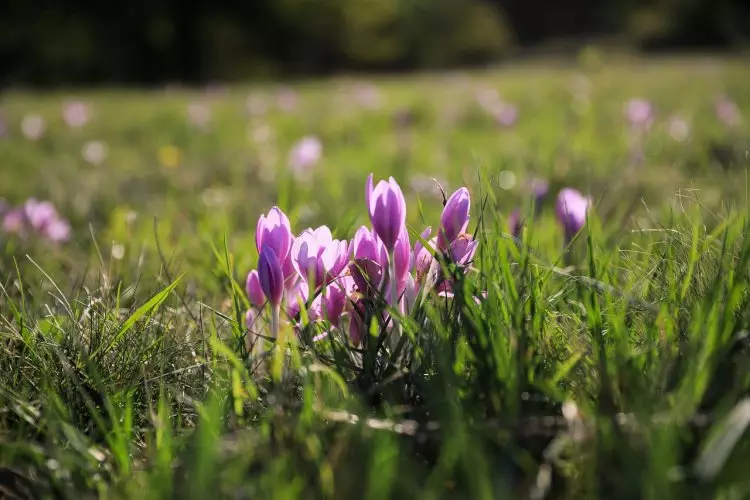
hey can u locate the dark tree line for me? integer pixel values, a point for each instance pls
(142, 41)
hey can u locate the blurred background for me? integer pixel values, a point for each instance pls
(49, 42)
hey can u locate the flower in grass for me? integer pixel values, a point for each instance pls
(571, 210)
(370, 261)
(286, 99)
(639, 113)
(94, 152)
(357, 326)
(515, 224)
(539, 190)
(506, 114)
(33, 126)
(42, 217)
(727, 112)
(14, 221)
(254, 290)
(76, 114)
(304, 155)
(331, 302)
(387, 209)
(462, 249)
(317, 257)
(424, 254)
(271, 276)
(455, 217)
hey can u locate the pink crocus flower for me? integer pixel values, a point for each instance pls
(270, 276)
(76, 114)
(370, 260)
(387, 209)
(639, 113)
(572, 210)
(14, 221)
(727, 112)
(317, 257)
(455, 217)
(304, 155)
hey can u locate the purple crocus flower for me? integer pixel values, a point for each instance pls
(357, 327)
(254, 290)
(424, 255)
(571, 210)
(317, 257)
(515, 224)
(330, 303)
(402, 258)
(455, 217)
(539, 189)
(462, 249)
(387, 208)
(14, 221)
(639, 113)
(304, 155)
(39, 214)
(273, 230)
(506, 114)
(57, 230)
(271, 276)
(370, 260)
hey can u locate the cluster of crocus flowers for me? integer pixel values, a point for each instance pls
(336, 282)
(35, 218)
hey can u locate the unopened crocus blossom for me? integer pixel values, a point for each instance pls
(402, 258)
(639, 113)
(330, 303)
(317, 257)
(305, 154)
(455, 217)
(271, 276)
(357, 327)
(387, 209)
(296, 298)
(76, 114)
(515, 225)
(254, 290)
(370, 260)
(571, 210)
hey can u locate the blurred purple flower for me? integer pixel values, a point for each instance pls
(506, 114)
(727, 112)
(57, 230)
(639, 113)
(488, 99)
(76, 114)
(572, 211)
(305, 154)
(515, 224)
(539, 189)
(14, 221)
(94, 152)
(33, 126)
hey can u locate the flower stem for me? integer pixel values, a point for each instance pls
(275, 312)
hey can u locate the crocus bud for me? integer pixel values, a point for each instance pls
(387, 209)
(411, 290)
(274, 231)
(296, 298)
(270, 276)
(515, 225)
(455, 217)
(462, 249)
(571, 210)
(254, 290)
(331, 302)
(370, 260)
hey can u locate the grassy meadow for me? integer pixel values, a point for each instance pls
(615, 366)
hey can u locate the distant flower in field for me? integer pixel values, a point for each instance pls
(169, 156)
(261, 133)
(199, 114)
(368, 96)
(36, 217)
(506, 114)
(14, 221)
(639, 113)
(286, 99)
(256, 105)
(94, 152)
(515, 224)
(76, 114)
(727, 112)
(678, 128)
(33, 126)
(539, 189)
(304, 155)
(572, 210)
(387, 208)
